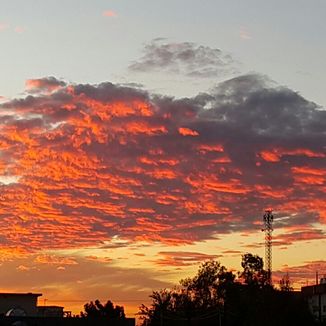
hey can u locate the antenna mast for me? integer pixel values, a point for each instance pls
(268, 228)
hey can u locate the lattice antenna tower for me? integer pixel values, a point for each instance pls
(268, 229)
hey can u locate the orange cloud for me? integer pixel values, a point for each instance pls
(48, 84)
(20, 29)
(3, 26)
(54, 260)
(270, 156)
(204, 148)
(244, 34)
(183, 258)
(187, 132)
(109, 13)
(276, 154)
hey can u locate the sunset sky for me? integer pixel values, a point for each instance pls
(140, 138)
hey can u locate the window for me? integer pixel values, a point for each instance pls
(315, 308)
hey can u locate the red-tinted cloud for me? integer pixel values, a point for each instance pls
(47, 84)
(187, 132)
(20, 29)
(3, 26)
(304, 274)
(109, 13)
(182, 258)
(95, 161)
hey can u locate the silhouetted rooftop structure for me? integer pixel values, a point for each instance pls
(50, 311)
(24, 304)
(316, 298)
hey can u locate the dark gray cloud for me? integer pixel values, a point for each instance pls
(184, 58)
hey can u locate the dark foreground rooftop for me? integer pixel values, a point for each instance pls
(53, 321)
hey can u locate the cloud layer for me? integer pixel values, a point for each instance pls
(95, 161)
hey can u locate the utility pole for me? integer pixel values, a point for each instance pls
(268, 229)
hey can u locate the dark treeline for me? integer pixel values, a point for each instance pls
(98, 310)
(217, 296)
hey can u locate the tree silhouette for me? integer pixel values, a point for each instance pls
(162, 305)
(214, 296)
(203, 287)
(98, 310)
(285, 283)
(253, 273)
(202, 295)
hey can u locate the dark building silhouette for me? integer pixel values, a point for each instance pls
(55, 321)
(23, 304)
(50, 311)
(20, 309)
(315, 296)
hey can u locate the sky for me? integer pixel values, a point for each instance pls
(141, 138)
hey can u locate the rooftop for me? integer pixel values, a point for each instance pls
(20, 294)
(314, 289)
